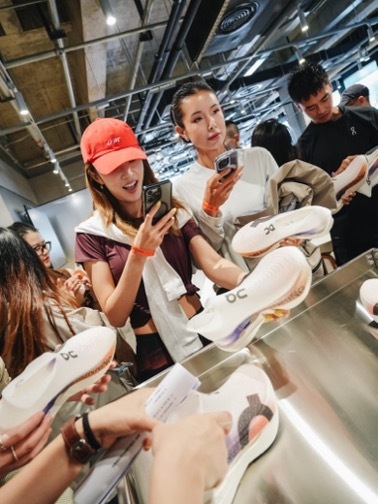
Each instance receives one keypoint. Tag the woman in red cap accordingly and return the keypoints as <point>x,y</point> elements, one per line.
<point>138,268</point>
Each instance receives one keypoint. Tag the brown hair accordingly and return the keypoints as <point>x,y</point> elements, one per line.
<point>27,293</point>
<point>108,207</point>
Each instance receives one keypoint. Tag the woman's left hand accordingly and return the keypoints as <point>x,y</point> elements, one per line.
<point>150,235</point>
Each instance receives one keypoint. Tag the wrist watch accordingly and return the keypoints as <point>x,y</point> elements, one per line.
<point>77,446</point>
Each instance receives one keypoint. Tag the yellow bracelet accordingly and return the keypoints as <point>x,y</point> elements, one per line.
<point>142,251</point>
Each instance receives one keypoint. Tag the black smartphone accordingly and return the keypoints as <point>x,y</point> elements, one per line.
<point>227,160</point>
<point>159,191</point>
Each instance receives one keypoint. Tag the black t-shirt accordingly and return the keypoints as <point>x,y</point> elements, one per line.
<point>326,145</point>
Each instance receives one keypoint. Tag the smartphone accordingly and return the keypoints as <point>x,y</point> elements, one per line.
<point>227,160</point>
<point>159,191</point>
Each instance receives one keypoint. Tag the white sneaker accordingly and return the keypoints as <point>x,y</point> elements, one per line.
<point>262,235</point>
<point>280,281</point>
<point>369,297</point>
<point>372,174</point>
<point>351,179</point>
<point>249,396</point>
<point>48,381</point>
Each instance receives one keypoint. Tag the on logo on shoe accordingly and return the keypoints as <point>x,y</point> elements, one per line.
<point>232,297</point>
<point>68,355</point>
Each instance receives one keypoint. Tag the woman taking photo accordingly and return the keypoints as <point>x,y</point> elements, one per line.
<point>216,199</point>
<point>139,267</point>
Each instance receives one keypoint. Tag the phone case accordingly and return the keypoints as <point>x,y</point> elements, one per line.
<point>226,160</point>
<point>160,191</point>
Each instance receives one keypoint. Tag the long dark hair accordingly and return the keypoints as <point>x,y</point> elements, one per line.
<point>27,292</point>
<point>276,138</point>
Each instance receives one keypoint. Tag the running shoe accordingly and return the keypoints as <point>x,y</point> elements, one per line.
<point>262,235</point>
<point>280,281</point>
<point>372,174</point>
<point>49,380</point>
<point>369,297</point>
<point>351,179</point>
<point>249,396</point>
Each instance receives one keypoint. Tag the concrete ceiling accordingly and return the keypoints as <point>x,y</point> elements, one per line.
<point>66,66</point>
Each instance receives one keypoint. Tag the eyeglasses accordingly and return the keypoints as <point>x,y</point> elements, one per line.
<point>40,249</point>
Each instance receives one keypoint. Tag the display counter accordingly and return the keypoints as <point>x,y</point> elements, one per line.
<point>322,361</point>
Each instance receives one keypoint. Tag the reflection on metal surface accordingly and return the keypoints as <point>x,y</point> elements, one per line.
<point>322,362</point>
<point>335,463</point>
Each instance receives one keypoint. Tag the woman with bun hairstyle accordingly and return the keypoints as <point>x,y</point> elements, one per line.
<point>138,267</point>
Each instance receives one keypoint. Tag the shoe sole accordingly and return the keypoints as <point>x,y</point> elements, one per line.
<point>295,296</point>
<point>300,224</point>
<point>369,297</point>
<point>17,404</point>
<point>224,494</point>
<point>345,187</point>
<point>372,174</point>
<point>252,298</point>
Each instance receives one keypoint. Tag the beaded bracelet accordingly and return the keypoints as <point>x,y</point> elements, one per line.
<point>142,251</point>
<point>210,208</point>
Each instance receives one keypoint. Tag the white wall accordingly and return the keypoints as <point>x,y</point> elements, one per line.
<point>13,181</point>
<point>66,213</point>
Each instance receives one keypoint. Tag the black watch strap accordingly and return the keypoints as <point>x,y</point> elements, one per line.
<point>88,433</point>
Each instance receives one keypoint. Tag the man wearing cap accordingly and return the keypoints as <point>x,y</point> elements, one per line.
<point>356,95</point>
<point>334,134</point>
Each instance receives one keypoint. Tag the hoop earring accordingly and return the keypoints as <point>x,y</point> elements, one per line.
<point>101,187</point>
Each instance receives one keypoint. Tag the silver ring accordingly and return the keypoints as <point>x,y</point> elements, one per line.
<point>15,458</point>
<point>2,445</point>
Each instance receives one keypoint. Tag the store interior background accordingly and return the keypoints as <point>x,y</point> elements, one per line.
<point>62,65</point>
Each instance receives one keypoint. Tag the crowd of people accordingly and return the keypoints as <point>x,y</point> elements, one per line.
<point>135,269</point>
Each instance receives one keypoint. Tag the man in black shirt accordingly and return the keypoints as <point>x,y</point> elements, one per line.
<point>334,134</point>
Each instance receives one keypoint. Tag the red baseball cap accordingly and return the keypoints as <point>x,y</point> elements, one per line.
<point>107,143</point>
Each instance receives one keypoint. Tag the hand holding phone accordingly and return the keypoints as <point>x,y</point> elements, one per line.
<point>226,161</point>
<point>159,191</point>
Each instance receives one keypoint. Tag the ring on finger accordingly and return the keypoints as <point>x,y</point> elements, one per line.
<point>14,454</point>
<point>2,445</point>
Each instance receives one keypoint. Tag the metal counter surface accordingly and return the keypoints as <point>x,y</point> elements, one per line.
<point>322,362</point>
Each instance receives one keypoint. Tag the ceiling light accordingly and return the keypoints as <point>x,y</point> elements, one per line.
<point>53,159</point>
<point>67,184</point>
<point>370,33</point>
<point>56,170</point>
<point>108,12</point>
<point>22,108</point>
<point>363,55</point>
<point>300,56</point>
<point>159,156</point>
<point>302,20</point>
<point>242,109</point>
<point>338,84</point>
<point>111,20</point>
<point>70,189</point>
<point>254,66</point>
